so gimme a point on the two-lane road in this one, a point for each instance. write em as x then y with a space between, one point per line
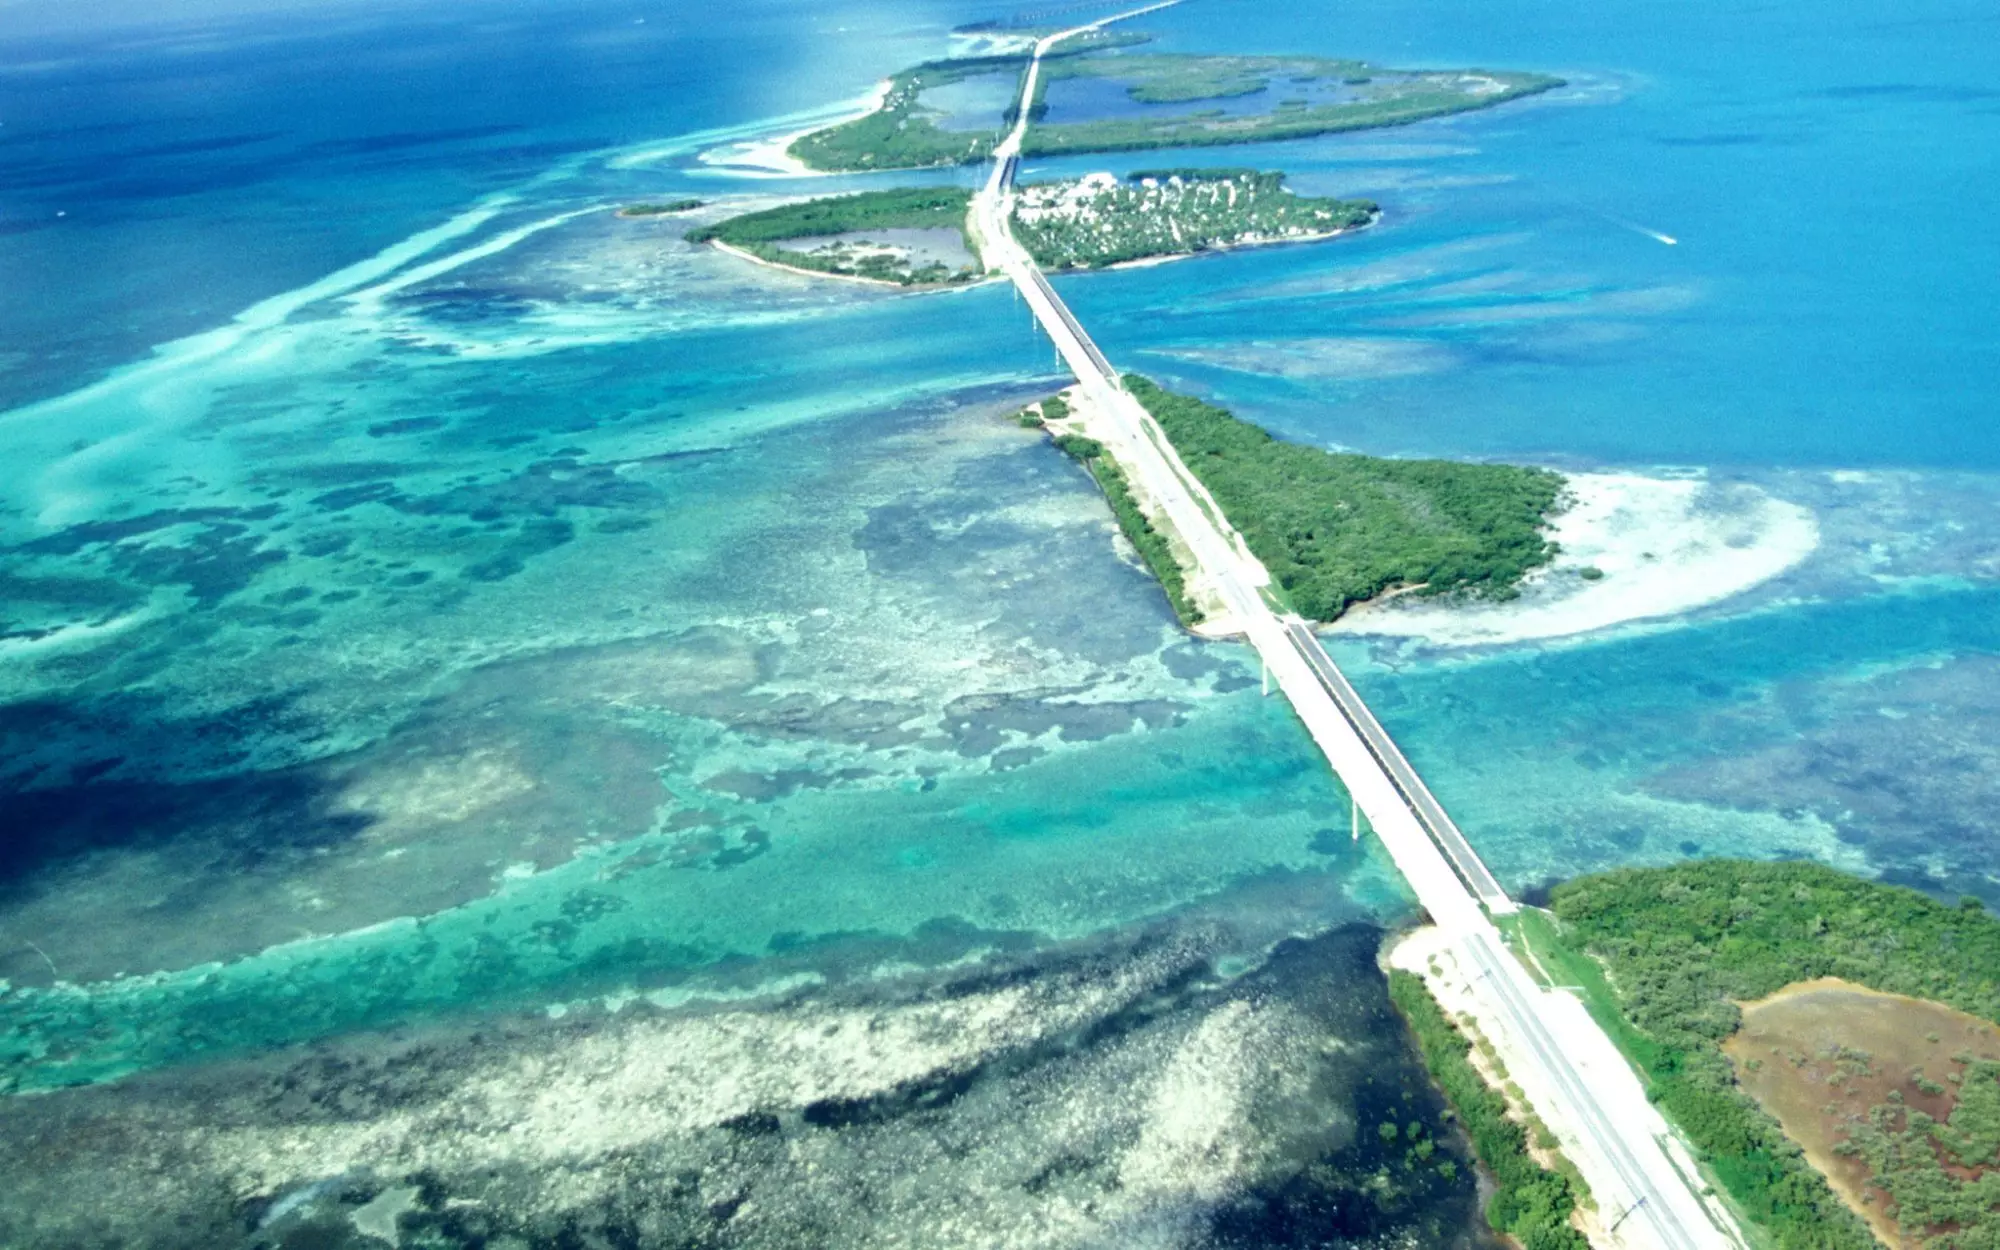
1443 830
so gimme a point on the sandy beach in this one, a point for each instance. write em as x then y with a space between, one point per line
1633 548
755 259
1664 546
770 157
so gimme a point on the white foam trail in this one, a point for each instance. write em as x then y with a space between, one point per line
372 296
547 328
77 633
272 311
1636 228
118 414
265 314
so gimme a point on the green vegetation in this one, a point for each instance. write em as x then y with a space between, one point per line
1530 1202
1152 545
1192 173
1098 221
915 208
1197 78
1054 408
1683 944
1337 529
901 133
904 134
660 208
1187 78
1908 1152
1325 97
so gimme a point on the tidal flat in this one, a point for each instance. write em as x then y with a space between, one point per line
1115 1087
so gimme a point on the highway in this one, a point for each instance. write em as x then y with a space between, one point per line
1596 1106
1442 829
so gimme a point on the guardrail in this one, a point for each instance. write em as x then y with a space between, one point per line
1416 795
1097 358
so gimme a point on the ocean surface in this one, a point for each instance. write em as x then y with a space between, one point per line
517 723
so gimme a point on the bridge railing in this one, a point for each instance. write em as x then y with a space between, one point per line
1416 795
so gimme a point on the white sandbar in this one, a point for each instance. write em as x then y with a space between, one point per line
1664 545
771 156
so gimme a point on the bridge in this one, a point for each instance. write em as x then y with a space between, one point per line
1561 1058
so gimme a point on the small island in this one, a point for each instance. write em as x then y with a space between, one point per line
661 208
1828 1044
1333 529
922 237
904 237
1248 99
946 112
1092 97
1095 221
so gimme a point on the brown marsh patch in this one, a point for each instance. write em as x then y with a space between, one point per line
1839 1064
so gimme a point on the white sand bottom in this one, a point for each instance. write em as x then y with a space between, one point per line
760 158
1665 546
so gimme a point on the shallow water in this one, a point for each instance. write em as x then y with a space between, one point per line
978 103
483 612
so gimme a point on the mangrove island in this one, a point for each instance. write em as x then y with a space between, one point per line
1091 97
1333 529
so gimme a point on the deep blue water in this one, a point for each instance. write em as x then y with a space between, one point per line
199 165
1823 306
421 591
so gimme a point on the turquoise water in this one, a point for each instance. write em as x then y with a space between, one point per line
426 598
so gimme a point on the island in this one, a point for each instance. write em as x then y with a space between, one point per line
971 102
903 237
661 208
1097 220
1093 97
1251 99
922 236
1332 528
1828 1044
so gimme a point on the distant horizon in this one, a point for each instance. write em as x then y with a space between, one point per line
41 18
